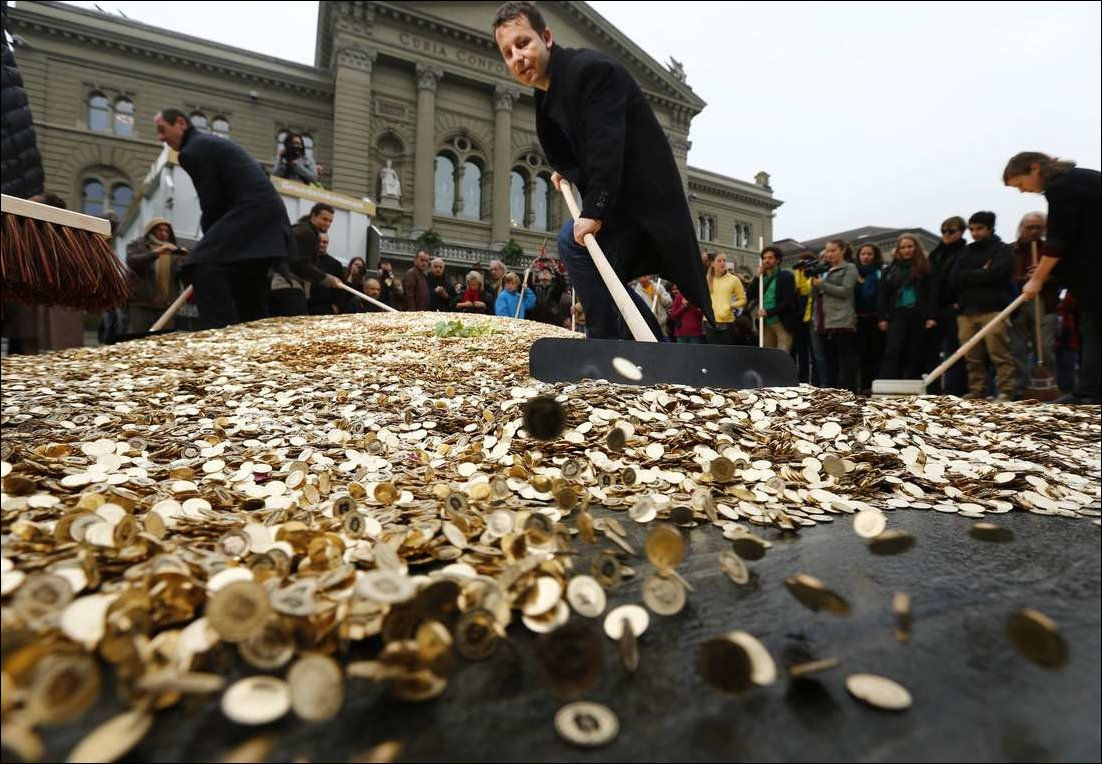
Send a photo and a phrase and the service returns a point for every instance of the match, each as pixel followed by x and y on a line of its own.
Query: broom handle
pixel 634 319
pixel 654 300
pixel 25 208
pixel 573 315
pixel 761 297
pixel 520 294
pixel 1038 340
pixel 365 298
pixel 172 309
pixel 934 375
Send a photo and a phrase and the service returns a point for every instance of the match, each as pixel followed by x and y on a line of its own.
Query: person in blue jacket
pixel 506 304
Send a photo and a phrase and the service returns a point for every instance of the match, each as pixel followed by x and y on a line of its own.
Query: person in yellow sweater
pixel 728 295
pixel 801 341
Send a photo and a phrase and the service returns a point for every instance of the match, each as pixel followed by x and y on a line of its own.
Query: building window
pixel 308 145
pixel 281 136
pixel 124 117
pixel 472 191
pixel 706 228
pixel 444 196
pixel 199 122
pixel 121 196
pixel 541 203
pixel 221 127
pixel 516 199
pixel 92 198
pixel 99 113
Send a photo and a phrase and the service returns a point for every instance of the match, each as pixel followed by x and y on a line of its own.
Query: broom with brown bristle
pixel 53 256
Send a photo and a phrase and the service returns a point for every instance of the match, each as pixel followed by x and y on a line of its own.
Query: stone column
pixel 350 172
pixel 504 98
pixel 424 159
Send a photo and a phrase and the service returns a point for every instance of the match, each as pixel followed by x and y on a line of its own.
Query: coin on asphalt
pixel 586 596
pixel 991 532
pixel 813 593
pixel 731 564
pixel 1037 638
pixel 317 687
pixel 891 542
pixel 664 596
pixel 585 724
pixel 665 547
pixel 879 692
pixel 869 523
pixel 256 700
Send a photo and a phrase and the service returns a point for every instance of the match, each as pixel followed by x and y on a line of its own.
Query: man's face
pixel 323 243
pixel 526 54
pixel 296 144
pixel 438 268
pixel 979 231
pixel 384 267
pixel 372 288
pixel 951 233
pixel 497 271
pixel 162 232
pixel 322 220
pixel 644 280
pixel 172 135
pixel 545 278
pixel 1032 228
pixel 1028 184
pixel 769 261
pixel 421 261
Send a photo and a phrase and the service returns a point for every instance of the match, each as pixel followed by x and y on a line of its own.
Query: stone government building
pixel 416 86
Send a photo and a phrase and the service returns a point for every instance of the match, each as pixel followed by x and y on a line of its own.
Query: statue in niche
pixel 388 179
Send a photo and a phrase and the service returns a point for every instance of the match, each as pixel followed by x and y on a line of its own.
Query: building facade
pixel 407 103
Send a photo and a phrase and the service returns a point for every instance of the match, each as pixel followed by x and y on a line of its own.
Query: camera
pixel 811 268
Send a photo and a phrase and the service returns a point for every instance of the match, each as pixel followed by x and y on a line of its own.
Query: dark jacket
pixel 243 217
pixel 436 302
pixel 486 298
pixel 322 298
pixel 942 261
pixel 892 279
pixel 785 307
pixel 153 287
pixel 547 300
pixel 22 163
pixel 1074 233
pixel 416 289
pixel 305 259
pixel 982 277
pixel 866 299
pixel 597 130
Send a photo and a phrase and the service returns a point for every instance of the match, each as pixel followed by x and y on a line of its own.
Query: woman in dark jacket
pixel 908 308
pixel 475 298
pixel 870 340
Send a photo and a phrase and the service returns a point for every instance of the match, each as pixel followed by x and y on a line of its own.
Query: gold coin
pixel 813 667
pixel 725 665
pixel 385 586
pixel 869 523
pixel 256 700
pixel 991 532
pixel 239 610
pixel 42 598
pixel 476 635
pixel 385 493
pixel 731 564
pixel 571 468
pixel 879 692
pixel 586 596
pixel 763 671
pixel 722 469
pixel 748 546
pixel 1037 638
pixel 270 648
pixel 665 547
pixel 607 570
pixel 813 594
pixel 317 687
pixel 664 596
pixel 618 621
pixel 681 515
pixel 587 725
pixel 891 542
pixel 616 439
pixel 63 688
pixel 566 497
pixel 456 502
pixel 112 739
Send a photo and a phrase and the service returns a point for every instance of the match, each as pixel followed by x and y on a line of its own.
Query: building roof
pixel 858 236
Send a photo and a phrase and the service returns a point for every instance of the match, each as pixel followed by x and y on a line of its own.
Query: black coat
pixel 547 300
pixel 323 298
pixel 243 217
pixel 982 276
pixel 598 131
pixel 943 259
pixel 785 306
pixel 22 163
pixel 892 279
pixel 1075 232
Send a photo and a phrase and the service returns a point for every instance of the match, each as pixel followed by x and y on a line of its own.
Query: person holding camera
pixel 156 259
pixel 548 286
pixel 292 162
pixel 835 316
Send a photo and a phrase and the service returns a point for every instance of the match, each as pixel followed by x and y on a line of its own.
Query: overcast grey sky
pixel 892 114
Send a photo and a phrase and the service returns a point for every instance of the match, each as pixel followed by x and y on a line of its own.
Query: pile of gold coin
pixel 289 489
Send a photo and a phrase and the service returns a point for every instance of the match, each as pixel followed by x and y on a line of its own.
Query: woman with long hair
pixel 908 308
pixel 355 275
pixel 836 316
pixel 870 340
pixel 1071 250
pixel 728 295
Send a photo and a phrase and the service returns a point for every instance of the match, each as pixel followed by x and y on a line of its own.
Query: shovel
pixel 1042 385
pixel 886 388
pixel 648 361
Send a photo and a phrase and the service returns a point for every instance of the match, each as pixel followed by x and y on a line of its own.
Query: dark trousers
pixel 1086 381
pixel 230 293
pixel 801 351
pixel 943 343
pixel 820 369
pixel 870 348
pixel 904 345
pixel 289 302
pixel 602 317
pixel 843 365
pixel 720 334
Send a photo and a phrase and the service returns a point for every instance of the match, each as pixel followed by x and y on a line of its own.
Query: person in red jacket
pixel 689 319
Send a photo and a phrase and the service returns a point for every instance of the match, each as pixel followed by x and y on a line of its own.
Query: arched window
pixel 541 203
pixel 124 117
pixel 308 145
pixel 92 200
pixel 472 191
pixel 199 122
pixel 221 127
pixel 444 186
pixel 121 196
pixel 516 199
pixel 99 113
pixel 281 136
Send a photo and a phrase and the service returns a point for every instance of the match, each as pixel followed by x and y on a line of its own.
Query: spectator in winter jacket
pixel 292 162
pixel 440 286
pixel 508 299
pixel 870 340
pixel 946 338
pixel 415 285
pixel 982 278
pixel 908 310
pixel 327 300
pixel 778 307
pixel 836 317
pixel 475 298
pixel 687 318
pixel 291 285
pixel 657 298
pixel 156 259
pixel 548 286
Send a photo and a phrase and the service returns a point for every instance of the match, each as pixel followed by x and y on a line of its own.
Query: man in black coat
pixel 782 319
pixel 946 338
pixel 244 223
pixel 598 132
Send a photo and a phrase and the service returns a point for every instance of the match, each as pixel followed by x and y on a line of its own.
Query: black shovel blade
pixel 558 359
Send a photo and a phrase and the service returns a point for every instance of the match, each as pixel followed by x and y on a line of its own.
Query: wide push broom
pixel 53 256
